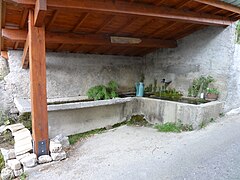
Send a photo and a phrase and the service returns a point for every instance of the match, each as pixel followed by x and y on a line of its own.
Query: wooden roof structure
pixel 118 27
pixel 86 26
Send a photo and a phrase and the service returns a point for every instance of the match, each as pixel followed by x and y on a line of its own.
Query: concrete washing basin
pixel 79 117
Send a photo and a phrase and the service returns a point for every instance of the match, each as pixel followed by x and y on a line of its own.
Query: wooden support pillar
pixel 37 64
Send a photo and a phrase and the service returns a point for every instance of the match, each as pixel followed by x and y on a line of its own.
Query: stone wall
pixel 211 51
pixel 69 75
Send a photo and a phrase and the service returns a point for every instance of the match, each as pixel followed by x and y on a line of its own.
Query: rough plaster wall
pixel 206 52
pixel 233 98
pixel 70 75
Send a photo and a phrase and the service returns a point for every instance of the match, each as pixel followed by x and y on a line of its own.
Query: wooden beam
pixel 24 18
pixel 106 22
pixel 135 9
pixel 37 61
pixel 220 4
pixel 4 54
pixel 55 14
pixel 40 12
pixel 80 21
pixel 25 57
pixel 90 39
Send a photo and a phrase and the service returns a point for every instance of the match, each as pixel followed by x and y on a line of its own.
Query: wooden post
pixel 37 64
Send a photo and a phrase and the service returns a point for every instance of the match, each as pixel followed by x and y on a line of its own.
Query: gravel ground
pixel 143 153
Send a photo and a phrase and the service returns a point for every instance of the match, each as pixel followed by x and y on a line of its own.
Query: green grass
pixel 77 137
pixel 173 127
pixel 2 163
pixel 23 176
pixel 204 123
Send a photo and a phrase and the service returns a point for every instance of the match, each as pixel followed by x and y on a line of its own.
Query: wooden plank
pixel 135 9
pixel 25 57
pixel 80 21
pixel 40 12
pixel 37 60
pixel 4 54
pixel 220 4
pixel 55 14
pixel 24 18
pixel 90 39
pixel 15 45
pixel 1 8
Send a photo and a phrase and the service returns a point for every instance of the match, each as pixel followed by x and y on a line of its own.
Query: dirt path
pixel 142 153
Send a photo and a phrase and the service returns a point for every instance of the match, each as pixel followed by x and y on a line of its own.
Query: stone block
pixel 55 147
pixel 59 156
pixel 18 172
pixel 22 156
pixel 29 161
pixel 63 140
pixel 44 159
pixel 14 164
pixel 8 154
pixel 7 174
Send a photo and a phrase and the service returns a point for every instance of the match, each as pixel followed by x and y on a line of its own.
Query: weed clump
pixel 173 127
pixel 138 120
pixel 77 137
pixel 2 163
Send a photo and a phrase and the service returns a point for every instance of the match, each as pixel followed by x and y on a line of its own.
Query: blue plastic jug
pixel 139 89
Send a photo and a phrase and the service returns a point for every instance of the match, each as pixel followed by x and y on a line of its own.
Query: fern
pixel 101 92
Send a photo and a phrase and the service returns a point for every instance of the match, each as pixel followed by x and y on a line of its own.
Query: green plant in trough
pixel 199 85
pixel 102 92
pixel 212 91
pixel 170 94
pixel 176 127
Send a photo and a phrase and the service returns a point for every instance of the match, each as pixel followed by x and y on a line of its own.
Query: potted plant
pixel 212 94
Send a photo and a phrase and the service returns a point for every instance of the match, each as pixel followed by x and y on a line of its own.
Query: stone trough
pixel 78 117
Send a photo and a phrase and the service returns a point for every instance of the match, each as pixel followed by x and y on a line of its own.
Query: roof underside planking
pixel 87 26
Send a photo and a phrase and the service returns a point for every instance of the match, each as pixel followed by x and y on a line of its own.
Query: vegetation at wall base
pixel 138 120
pixel 2 163
pixel 173 127
pixel 77 137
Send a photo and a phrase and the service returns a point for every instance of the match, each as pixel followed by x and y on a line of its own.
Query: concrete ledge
pixel 24 105
pixel 79 117
pixel 162 111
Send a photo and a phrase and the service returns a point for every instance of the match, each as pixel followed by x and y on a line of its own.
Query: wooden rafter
pixel 40 12
pixel 80 22
pixel 90 39
pixel 107 21
pixel 55 14
pixel 24 18
pixel 220 4
pixel 125 25
pixel 134 9
pixel 25 56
